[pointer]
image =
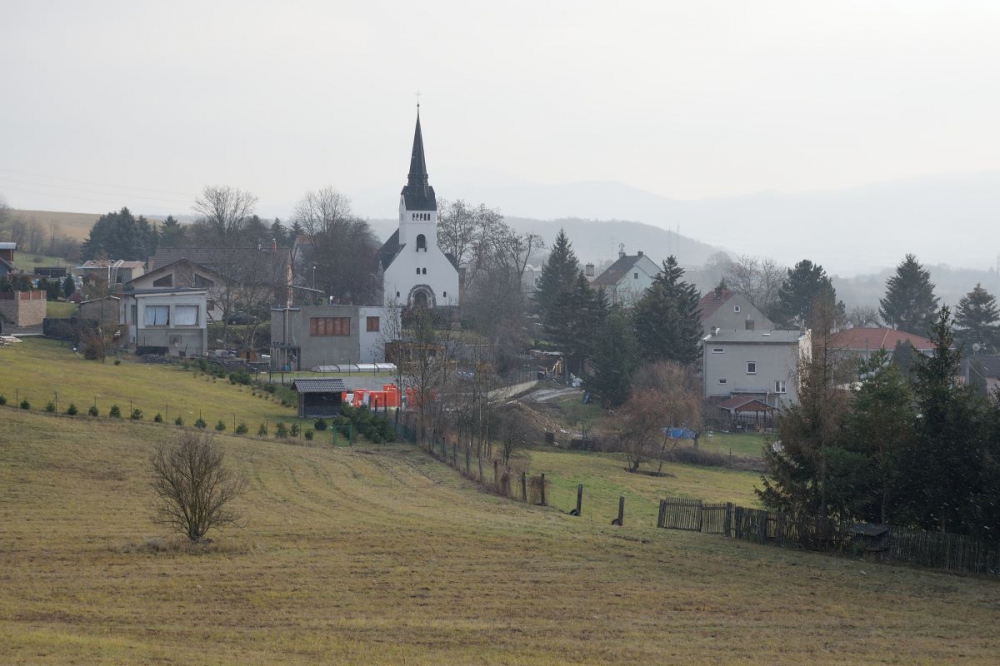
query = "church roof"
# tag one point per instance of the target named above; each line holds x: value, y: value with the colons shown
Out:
x: 417, y: 193
x: 389, y: 250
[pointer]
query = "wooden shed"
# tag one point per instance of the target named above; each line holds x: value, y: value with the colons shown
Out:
x: 319, y: 397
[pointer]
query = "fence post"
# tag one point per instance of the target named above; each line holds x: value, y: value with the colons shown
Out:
x: 728, y: 524
x: 620, y: 520
x: 543, y: 490
x: 579, y: 500
x: 661, y: 516
x: 524, y: 486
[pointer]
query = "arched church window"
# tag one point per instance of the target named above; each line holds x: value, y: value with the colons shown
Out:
x: 421, y: 243
x: 418, y: 271
x: 425, y: 271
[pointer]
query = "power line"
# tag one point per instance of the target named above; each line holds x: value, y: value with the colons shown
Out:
x: 89, y: 182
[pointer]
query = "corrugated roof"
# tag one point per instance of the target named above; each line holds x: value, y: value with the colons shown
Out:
x: 321, y: 385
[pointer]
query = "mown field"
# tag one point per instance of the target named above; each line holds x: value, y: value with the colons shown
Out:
x: 74, y: 225
x: 380, y: 554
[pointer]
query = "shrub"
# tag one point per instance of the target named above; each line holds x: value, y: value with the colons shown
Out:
x: 200, y: 424
x: 262, y: 430
x: 294, y: 432
x: 309, y: 435
x: 72, y: 410
x: 157, y: 418
x: 321, y: 424
x: 179, y: 421
x: 115, y: 412
x: 136, y: 415
x: 3, y: 399
x: 118, y: 361
x: 93, y: 410
x: 269, y: 388
x: 242, y: 429
x: 220, y: 426
x: 25, y: 404
x: 281, y: 431
x: 50, y: 407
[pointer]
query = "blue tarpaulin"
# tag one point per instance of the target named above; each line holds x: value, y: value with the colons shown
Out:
x: 678, y: 433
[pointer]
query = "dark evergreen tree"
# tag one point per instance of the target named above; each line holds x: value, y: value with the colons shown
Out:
x: 559, y: 275
x: 904, y: 357
x: 879, y: 434
x: 69, y: 286
x: 573, y: 321
x: 909, y: 304
x: 172, y: 233
x: 615, y: 358
x: 120, y: 236
x: 806, y: 289
x: 666, y: 321
x: 942, y: 470
x: 976, y: 319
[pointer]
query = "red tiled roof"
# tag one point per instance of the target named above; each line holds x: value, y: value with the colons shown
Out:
x: 712, y: 301
x: 877, y: 338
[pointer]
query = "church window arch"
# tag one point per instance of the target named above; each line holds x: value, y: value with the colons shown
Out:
x: 421, y: 243
x: 424, y: 271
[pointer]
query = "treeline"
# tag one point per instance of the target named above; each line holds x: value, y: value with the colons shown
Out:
x: 33, y: 237
x: 909, y: 444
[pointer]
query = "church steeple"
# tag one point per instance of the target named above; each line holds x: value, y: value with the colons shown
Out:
x: 418, y: 194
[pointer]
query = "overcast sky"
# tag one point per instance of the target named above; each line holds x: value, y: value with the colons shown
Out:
x: 143, y: 104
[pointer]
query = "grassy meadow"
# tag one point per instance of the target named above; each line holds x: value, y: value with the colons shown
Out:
x: 382, y: 555
x: 74, y: 225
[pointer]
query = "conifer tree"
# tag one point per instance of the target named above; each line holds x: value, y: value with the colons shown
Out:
x: 805, y: 289
x: 666, y: 321
x: 909, y: 304
x: 558, y: 275
x: 615, y: 358
x: 976, y: 319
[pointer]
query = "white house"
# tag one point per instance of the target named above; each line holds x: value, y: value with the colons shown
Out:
x: 725, y: 310
x: 414, y: 269
x: 627, y: 279
x: 757, y: 363
x: 307, y: 336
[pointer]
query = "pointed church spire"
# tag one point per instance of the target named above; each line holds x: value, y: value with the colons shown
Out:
x: 418, y: 194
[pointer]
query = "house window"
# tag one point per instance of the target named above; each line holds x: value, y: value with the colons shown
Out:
x: 322, y: 327
x: 736, y: 308
x: 186, y: 315
x: 779, y: 386
x: 157, y: 315
x: 421, y: 243
x: 635, y: 276
x: 751, y: 367
x: 165, y: 281
x: 372, y: 324
x: 444, y: 294
x: 202, y: 282
x: 723, y: 381
x: 718, y: 350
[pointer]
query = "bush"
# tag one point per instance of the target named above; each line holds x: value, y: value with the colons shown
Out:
x: 157, y: 418
x: 50, y: 407
x: 262, y: 430
x: 115, y: 412
x: 136, y: 415
x: 220, y: 426
x: 294, y: 432
x: 72, y: 410
x: 309, y: 435
x: 321, y: 424
x: 242, y: 429
x: 118, y: 361
x: 200, y: 424
x: 93, y: 410
x: 281, y: 431
x: 179, y: 421
x: 3, y: 399
x: 25, y: 404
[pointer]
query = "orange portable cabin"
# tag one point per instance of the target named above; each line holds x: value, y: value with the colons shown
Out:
x: 374, y: 400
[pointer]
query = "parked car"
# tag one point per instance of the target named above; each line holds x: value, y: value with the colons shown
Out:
x: 241, y: 318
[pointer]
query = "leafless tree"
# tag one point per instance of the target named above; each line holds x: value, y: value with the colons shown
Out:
x: 864, y: 316
x: 224, y: 211
x: 756, y: 278
x: 194, y: 489
x: 638, y: 428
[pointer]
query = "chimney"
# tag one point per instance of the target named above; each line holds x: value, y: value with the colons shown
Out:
x: 274, y: 244
x: 640, y: 253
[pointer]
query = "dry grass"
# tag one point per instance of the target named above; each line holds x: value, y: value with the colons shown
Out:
x: 382, y: 555
x: 74, y: 225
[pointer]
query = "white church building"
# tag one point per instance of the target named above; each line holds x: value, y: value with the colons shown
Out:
x: 415, y: 272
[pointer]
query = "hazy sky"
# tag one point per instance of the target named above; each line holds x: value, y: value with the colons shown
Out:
x: 142, y: 104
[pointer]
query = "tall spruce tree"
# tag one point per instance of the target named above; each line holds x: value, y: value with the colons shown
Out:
x: 942, y: 471
x: 666, y: 321
x: 909, y: 304
x: 615, y: 358
x: 558, y: 275
x: 120, y: 236
x: 976, y: 322
x: 574, y: 320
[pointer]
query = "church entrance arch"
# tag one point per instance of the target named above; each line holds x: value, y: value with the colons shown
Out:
x: 422, y: 296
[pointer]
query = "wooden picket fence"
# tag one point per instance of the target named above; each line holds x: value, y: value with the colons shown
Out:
x: 950, y: 552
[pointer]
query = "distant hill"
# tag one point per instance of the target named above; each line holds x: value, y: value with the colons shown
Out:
x: 943, y: 219
x: 74, y: 225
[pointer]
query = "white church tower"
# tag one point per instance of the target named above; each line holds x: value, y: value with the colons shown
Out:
x: 415, y: 272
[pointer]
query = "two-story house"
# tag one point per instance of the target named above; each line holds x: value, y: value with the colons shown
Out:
x: 725, y: 310
x: 627, y: 279
x: 761, y: 364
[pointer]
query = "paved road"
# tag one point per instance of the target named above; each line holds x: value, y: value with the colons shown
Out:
x: 543, y: 395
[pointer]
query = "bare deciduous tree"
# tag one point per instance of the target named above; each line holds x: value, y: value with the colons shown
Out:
x: 756, y: 278
x: 193, y: 487
x: 225, y: 211
x: 864, y: 316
